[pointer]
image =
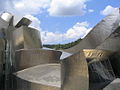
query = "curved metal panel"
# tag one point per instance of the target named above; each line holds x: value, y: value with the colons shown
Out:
x: 6, y: 16
x: 1, y: 70
x: 112, y: 42
x: 114, y: 85
x: 115, y: 62
x: 32, y: 57
x: 2, y: 43
x: 23, y: 22
x: 41, y: 77
x: 99, y: 33
x: 26, y: 38
x: 74, y: 72
x: 100, y: 69
x: 6, y: 19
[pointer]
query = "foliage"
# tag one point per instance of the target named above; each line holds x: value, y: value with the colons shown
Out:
x: 62, y: 46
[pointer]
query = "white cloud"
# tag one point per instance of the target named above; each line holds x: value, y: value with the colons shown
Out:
x: 108, y: 9
x: 27, y: 6
x: 67, y: 7
x: 30, y: 9
x: 90, y: 10
x: 51, y: 37
x: 54, y: 7
x: 79, y: 30
x: 20, y: 8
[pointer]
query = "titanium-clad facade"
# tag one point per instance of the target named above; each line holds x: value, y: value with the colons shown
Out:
x: 99, y: 67
x: 75, y: 72
x: 114, y: 85
x: 26, y: 58
x: 40, y: 77
x: 99, y: 33
x: 5, y: 22
x: 115, y: 62
x: 25, y: 65
x: 112, y: 42
x: 26, y: 38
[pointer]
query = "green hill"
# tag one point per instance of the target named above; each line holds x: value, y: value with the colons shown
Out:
x: 62, y: 46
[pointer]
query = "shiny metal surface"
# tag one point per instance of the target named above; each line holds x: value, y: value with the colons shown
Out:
x: 6, y: 16
x: 23, y: 22
x: 115, y: 62
x: 99, y: 33
x: 5, y: 21
x: 114, y: 85
x: 100, y: 69
x: 3, y: 25
x: 41, y: 77
x: 88, y: 68
x: 32, y: 57
x: 112, y: 42
x: 26, y: 38
x: 74, y: 72
x: 1, y: 70
x: 1, y: 62
x: 96, y: 53
x: 2, y: 43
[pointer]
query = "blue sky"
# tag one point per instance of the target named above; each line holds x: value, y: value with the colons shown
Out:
x: 61, y: 21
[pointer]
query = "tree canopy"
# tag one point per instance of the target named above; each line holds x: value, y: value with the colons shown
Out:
x: 62, y: 46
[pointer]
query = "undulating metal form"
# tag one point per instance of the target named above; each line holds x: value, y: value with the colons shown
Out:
x: 99, y: 33
x: 1, y: 63
x: 6, y: 20
x: 1, y: 70
x: 2, y: 42
x: 41, y: 77
x: 43, y: 71
x: 2, y: 56
x: 115, y: 62
x: 111, y: 43
x: 74, y: 72
x: 114, y: 85
x: 24, y: 65
x: 26, y: 38
x: 23, y: 22
x: 100, y: 69
x: 26, y: 58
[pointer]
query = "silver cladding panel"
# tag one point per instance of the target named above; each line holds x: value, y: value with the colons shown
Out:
x: 74, y: 72
x: 28, y: 58
x: 100, y: 69
x: 24, y: 85
x: 23, y: 22
x: 97, y: 53
x: 2, y: 44
x: 1, y: 62
x: 3, y: 27
x: 41, y: 77
x: 115, y: 62
x: 3, y: 24
x: 114, y: 85
x: 6, y: 16
x: 1, y: 70
x: 112, y: 42
x: 99, y: 33
x: 26, y: 38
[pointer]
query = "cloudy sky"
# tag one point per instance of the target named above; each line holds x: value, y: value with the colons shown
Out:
x: 60, y: 21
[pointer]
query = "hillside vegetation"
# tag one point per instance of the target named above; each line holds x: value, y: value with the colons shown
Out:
x: 62, y: 46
